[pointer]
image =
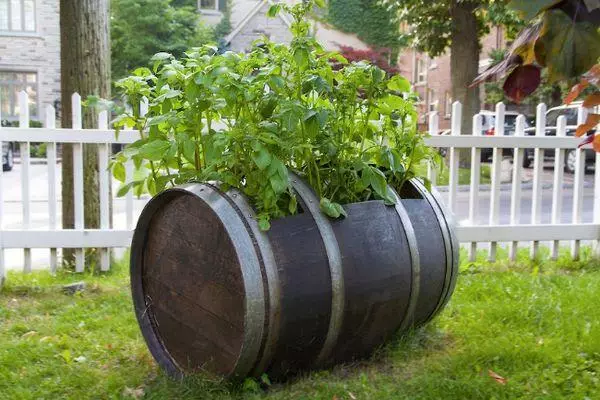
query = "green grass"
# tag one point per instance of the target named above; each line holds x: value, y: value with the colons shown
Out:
x: 464, y: 175
x: 536, y: 324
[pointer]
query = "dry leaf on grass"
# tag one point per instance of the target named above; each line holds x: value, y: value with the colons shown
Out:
x: 497, y: 377
x: 137, y: 393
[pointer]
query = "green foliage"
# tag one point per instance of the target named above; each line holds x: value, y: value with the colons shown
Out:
x: 532, y: 8
x: 245, y: 120
x: 141, y: 28
x: 431, y: 23
x: 533, y: 322
x: 370, y: 20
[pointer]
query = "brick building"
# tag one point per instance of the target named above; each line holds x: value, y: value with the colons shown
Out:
x: 431, y: 78
x: 29, y: 55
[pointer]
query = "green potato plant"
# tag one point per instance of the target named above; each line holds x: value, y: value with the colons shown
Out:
x: 246, y: 120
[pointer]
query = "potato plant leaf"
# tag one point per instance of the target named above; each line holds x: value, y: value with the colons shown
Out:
x: 119, y: 171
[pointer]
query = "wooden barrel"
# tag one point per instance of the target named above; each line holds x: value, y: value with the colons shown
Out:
x: 213, y: 293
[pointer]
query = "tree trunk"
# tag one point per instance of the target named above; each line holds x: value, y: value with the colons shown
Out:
x: 464, y: 62
x: 85, y: 69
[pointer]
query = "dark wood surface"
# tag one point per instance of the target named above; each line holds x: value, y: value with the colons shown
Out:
x: 377, y: 277
x: 432, y: 252
x: 193, y: 283
x: 305, y: 292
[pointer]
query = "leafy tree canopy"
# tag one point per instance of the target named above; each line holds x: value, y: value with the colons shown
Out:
x: 431, y: 21
x: 141, y: 28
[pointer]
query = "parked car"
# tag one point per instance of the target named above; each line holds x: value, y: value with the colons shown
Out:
x: 8, y: 157
x: 489, y: 129
x: 570, y: 112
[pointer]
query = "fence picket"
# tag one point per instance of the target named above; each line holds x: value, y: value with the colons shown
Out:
x: 454, y: 155
x: 557, y: 186
x: 496, y: 171
x: 2, y: 264
x: 538, y: 166
x: 475, y: 180
x: 515, y: 201
x: 514, y: 233
x: 597, y: 200
x: 104, y: 183
x: 78, y: 180
x: 578, y: 185
x: 50, y: 123
x: 24, y: 148
x: 433, y: 131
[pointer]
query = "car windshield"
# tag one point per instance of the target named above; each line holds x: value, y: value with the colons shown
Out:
x: 570, y: 113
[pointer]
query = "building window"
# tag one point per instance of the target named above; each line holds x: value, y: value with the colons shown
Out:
x: 208, y: 5
x: 421, y: 71
x: 11, y: 83
x: 17, y: 15
x: 448, y: 104
x: 432, y: 103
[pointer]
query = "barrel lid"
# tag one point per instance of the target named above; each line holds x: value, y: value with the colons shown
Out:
x: 196, y: 283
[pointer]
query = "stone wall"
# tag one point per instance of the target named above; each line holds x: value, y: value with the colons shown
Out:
x: 37, y: 52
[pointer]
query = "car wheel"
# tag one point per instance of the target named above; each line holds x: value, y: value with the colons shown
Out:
x: 571, y: 161
x: 10, y: 160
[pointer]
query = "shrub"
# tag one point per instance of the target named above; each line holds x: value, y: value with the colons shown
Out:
x: 379, y: 58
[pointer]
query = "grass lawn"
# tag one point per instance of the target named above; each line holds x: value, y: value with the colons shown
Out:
x: 527, y: 330
x: 464, y: 175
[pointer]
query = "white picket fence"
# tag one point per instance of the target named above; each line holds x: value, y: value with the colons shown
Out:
x: 515, y: 233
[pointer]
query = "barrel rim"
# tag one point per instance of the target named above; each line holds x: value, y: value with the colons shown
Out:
x: 413, y: 247
x: 454, y: 242
x: 243, y: 242
x: 334, y: 257
x: 272, y: 280
x: 449, y: 238
x: 254, y: 301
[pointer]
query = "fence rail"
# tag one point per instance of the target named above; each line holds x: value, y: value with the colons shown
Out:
x: 471, y: 231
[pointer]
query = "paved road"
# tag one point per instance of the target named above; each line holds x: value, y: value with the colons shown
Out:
x: 39, y: 207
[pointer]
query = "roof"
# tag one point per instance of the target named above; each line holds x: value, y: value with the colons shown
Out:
x: 244, y: 10
x: 251, y: 13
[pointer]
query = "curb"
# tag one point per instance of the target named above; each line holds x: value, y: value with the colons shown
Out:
x: 36, y: 161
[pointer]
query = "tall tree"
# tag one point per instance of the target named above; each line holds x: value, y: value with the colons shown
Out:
x: 85, y: 69
x: 171, y: 26
x: 456, y: 25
